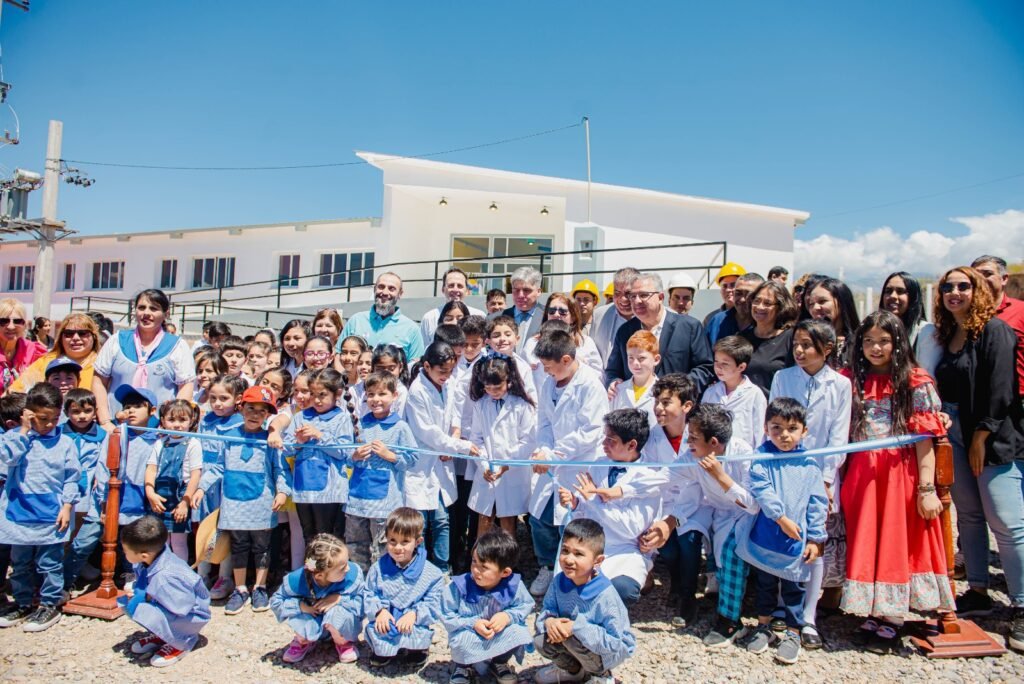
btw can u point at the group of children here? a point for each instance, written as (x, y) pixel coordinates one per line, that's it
(389, 479)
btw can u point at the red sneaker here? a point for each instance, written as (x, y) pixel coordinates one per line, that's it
(167, 655)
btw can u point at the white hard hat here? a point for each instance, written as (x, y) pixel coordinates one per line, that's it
(681, 279)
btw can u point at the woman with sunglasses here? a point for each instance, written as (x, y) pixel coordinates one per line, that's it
(977, 381)
(562, 307)
(16, 351)
(78, 339)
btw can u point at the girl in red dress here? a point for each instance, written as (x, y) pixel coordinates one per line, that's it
(895, 558)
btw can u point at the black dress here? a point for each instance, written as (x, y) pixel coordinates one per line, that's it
(770, 356)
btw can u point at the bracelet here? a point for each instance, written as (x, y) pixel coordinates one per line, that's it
(926, 489)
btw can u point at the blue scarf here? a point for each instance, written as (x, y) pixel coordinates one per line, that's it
(369, 420)
(588, 591)
(412, 571)
(504, 592)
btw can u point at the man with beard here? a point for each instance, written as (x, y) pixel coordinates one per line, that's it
(454, 287)
(384, 323)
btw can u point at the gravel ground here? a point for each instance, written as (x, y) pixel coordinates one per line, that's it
(249, 646)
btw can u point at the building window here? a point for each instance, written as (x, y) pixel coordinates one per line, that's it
(335, 267)
(288, 270)
(498, 256)
(213, 272)
(67, 277)
(168, 274)
(19, 278)
(107, 275)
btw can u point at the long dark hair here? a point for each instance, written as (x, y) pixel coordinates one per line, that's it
(848, 320)
(903, 362)
(915, 306)
(392, 351)
(436, 354)
(495, 370)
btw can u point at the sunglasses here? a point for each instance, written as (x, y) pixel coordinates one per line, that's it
(76, 333)
(944, 288)
(4, 322)
(557, 311)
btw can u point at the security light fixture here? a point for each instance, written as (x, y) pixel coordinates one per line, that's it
(494, 206)
(443, 202)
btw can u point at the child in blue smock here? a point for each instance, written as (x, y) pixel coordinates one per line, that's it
(36, 508)
(583, 627)
(173, 471)
(168, 598)
(378, 471)
(138, 407)
(255, 487)
(314, 438)
(323, 598)
(12, 405)
(485, 610)
(403, 594)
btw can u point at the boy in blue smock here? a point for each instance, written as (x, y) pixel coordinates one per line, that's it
(36, 508)
(787, 534)
(583, 627)
(12, 405)
(485, 610)
(168, 598)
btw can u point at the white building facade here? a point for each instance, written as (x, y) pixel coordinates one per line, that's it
(434, 215)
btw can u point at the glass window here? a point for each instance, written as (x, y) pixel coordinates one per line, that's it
(20, 278)
(288, 270)
(67, 277)
(213, 272)
(107, 275)
(499, 249)
(335, 267)
(168, 274)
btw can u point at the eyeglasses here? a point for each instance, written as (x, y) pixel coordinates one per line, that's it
(76, 333)
(316, 354)
(620, 295)
(944, 288)
(558, 311)
(640, 296)
(4, 322)
(765, 303)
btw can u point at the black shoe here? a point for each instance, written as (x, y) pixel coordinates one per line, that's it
(810, 638)
(777, 624)
(885, 641)
(973, 604)
(686, 615)
(1016, 637)
(724, 632)
(41, 620)
(415, 657)
(380, 660)
(15, 614)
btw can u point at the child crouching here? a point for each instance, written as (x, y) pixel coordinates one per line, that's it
(324, 598)
(169, 599)
(403, 593)
(484, 612)
(583, 627)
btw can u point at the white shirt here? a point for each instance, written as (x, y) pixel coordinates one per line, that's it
(432, 318)
(747, 405)
(656, 330)
(193, 456)
(605, 323)
(180, 358)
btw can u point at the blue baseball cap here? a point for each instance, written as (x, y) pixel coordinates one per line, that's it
(62, 362)
(125, 391)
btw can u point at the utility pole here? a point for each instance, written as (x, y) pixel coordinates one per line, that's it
(586, 130)
(46, 237)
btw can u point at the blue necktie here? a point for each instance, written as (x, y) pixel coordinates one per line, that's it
(614, 474)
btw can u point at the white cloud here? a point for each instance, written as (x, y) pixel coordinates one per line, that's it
(868, 257)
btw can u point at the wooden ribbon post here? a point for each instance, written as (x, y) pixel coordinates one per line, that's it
(950, 636)
(102, 603)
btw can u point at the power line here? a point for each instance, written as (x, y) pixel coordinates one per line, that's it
(291, 167)
(921, 197)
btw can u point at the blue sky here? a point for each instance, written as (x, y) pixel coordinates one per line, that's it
(827, 107)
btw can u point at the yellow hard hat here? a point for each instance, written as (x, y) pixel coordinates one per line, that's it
(586, 286)
(730, 269)
(610, 290)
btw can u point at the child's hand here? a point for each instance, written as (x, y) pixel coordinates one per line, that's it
(812, 552)
(493, 476)
(711, 465)
(181, 512)
(474, 450)
(307, 608)
(274, 441)
(789, 528)
(539, 455)
(558, 629)
(613, 389)
(929, 506)
(307, 433)
(361, 453)
(585, 486)
(381, 450)
(612, 494)
(483, 628)
(831, 497)
(499, 622)
(64, 517)
(156, 502)
(383, 622)
(406, 622)
(565, 498)
(279, 501)
(26, 420)
(196, 498)
(656, 536)
(326, 603)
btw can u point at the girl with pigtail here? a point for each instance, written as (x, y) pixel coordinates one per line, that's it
(504, 427)
(322, 598)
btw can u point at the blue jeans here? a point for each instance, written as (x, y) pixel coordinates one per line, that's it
(546, 536)
(48, 561)
(627, 588)
(767, 599)
(682, 554)
(89, 535)
(995, 497)
(437, 532)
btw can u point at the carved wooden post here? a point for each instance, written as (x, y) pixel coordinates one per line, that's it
(102, 603)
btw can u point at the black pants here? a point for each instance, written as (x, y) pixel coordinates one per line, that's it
(463, 524)
(317, 518)
(256, 542)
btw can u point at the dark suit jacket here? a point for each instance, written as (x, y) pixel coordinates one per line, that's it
(535, 321)
(684, 349)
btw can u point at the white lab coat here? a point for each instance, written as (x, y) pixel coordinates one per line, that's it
(625, 399)
(747, 405)
(466, 378)
(586, 354)
(571, 431)
(429, 413)
(508, 432)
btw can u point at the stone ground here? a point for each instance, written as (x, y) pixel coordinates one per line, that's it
(248, 647)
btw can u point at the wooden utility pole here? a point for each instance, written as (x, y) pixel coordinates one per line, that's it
(47, 234)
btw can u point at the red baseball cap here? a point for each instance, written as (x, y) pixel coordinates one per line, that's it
(260, 395)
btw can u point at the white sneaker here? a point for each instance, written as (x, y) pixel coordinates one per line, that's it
(540, 585)
(711, 586)
(552, 674)
(222, 588)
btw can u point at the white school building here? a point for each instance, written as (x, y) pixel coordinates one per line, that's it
(434, 215)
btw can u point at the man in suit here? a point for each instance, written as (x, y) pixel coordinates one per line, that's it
(610, 317)
(526, 310)
(684, 346)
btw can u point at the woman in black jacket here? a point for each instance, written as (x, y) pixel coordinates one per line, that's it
(977, 380)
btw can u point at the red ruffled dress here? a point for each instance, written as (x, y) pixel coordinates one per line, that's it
(895, 561)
